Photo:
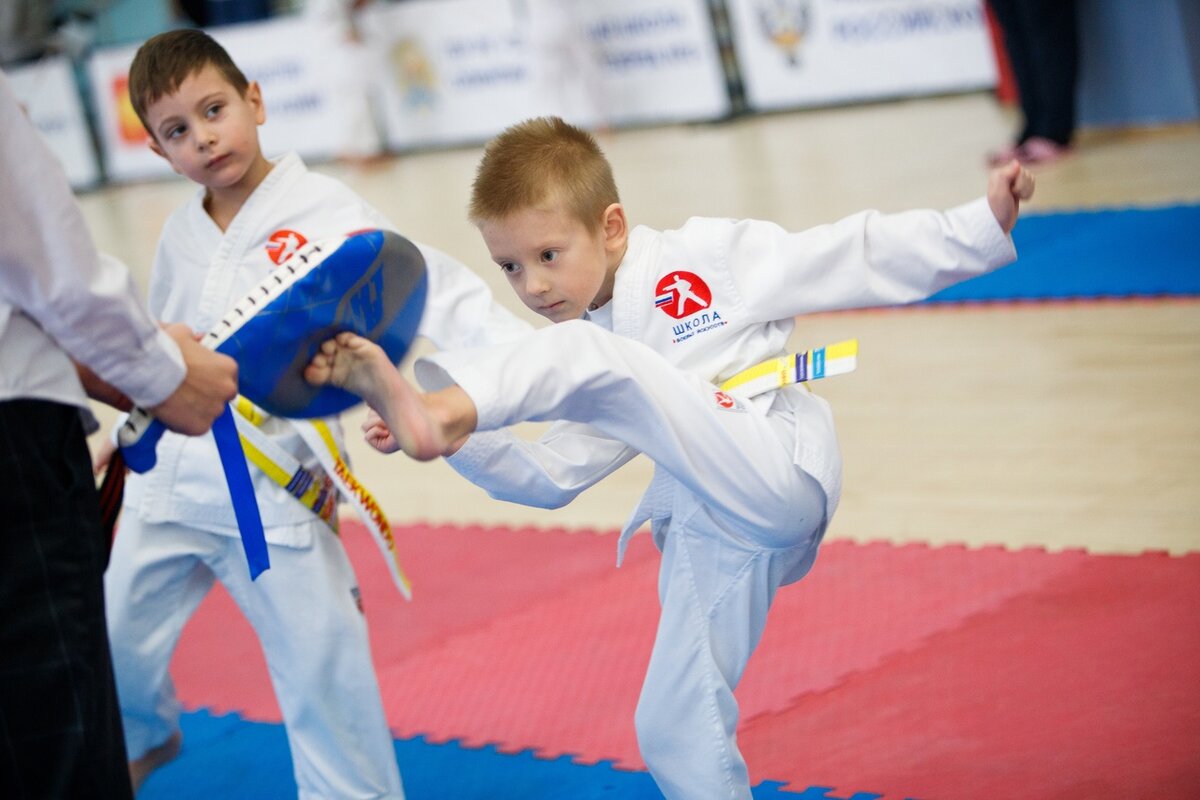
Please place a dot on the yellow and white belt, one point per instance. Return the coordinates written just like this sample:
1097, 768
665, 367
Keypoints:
315, 491
318, 492
775, 373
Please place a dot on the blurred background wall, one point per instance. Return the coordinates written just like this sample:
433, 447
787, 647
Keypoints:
361, 78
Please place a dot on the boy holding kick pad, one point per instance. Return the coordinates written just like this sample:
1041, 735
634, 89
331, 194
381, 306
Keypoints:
178, 531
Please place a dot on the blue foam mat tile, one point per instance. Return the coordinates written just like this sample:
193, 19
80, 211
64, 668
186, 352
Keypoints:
823, 793
228, 757
451, 770
225, 756
1092, 254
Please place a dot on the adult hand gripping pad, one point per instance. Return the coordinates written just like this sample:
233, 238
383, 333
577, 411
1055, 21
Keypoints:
373, 283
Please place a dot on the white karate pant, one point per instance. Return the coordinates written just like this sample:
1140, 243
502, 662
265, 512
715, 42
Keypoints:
305, 614
744, 520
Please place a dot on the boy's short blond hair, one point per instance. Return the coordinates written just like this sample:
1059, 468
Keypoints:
540, 161
165, 61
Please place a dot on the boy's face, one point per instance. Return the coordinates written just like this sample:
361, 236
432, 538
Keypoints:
208, 130
558, 266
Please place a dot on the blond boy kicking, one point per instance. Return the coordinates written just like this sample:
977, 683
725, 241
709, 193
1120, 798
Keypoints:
651, 323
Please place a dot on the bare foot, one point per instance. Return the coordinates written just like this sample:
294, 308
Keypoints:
155, 757
361, 367
349, 362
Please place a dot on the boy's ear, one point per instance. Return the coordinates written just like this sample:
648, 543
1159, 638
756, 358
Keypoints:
155, 148
158, 151
254, 98
615, 226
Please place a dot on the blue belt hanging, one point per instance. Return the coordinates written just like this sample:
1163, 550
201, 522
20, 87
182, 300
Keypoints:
241, 492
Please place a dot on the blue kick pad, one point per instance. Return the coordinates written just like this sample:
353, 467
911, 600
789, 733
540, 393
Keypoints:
1090, 254
230, 758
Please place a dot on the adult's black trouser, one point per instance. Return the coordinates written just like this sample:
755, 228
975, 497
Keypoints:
60, 724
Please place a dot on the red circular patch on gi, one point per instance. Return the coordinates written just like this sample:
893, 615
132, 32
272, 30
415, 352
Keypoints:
724, 400
283, 243
681, 294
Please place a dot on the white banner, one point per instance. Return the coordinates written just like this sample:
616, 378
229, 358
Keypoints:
123, 141
47, 91
312, 101
812, 52
456, 71
451, 71
658, 60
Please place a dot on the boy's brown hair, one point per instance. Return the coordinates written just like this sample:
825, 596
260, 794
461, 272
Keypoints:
543, 160
165, 61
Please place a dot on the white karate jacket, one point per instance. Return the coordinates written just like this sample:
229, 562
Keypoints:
198, 275
717, 296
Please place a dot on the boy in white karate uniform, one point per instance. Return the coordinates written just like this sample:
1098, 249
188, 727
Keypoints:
744, 488
178, 530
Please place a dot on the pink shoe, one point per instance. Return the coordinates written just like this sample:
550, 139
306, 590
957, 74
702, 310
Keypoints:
1040, 150
998, 158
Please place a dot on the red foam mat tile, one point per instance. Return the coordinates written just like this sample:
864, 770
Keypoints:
530, 639
463, 576
1086, 687
562, 678
862, 603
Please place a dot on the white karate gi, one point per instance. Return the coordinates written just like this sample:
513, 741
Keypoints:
743, 489
178, 530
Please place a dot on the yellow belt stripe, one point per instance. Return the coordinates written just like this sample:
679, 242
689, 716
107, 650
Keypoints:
779, 364
260, 460
275, 472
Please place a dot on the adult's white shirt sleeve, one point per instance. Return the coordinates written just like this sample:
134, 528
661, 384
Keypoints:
53, 273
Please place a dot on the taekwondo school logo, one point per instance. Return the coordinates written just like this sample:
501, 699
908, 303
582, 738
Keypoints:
283, 244
681, 294
727, 402
686, 297
785, 23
